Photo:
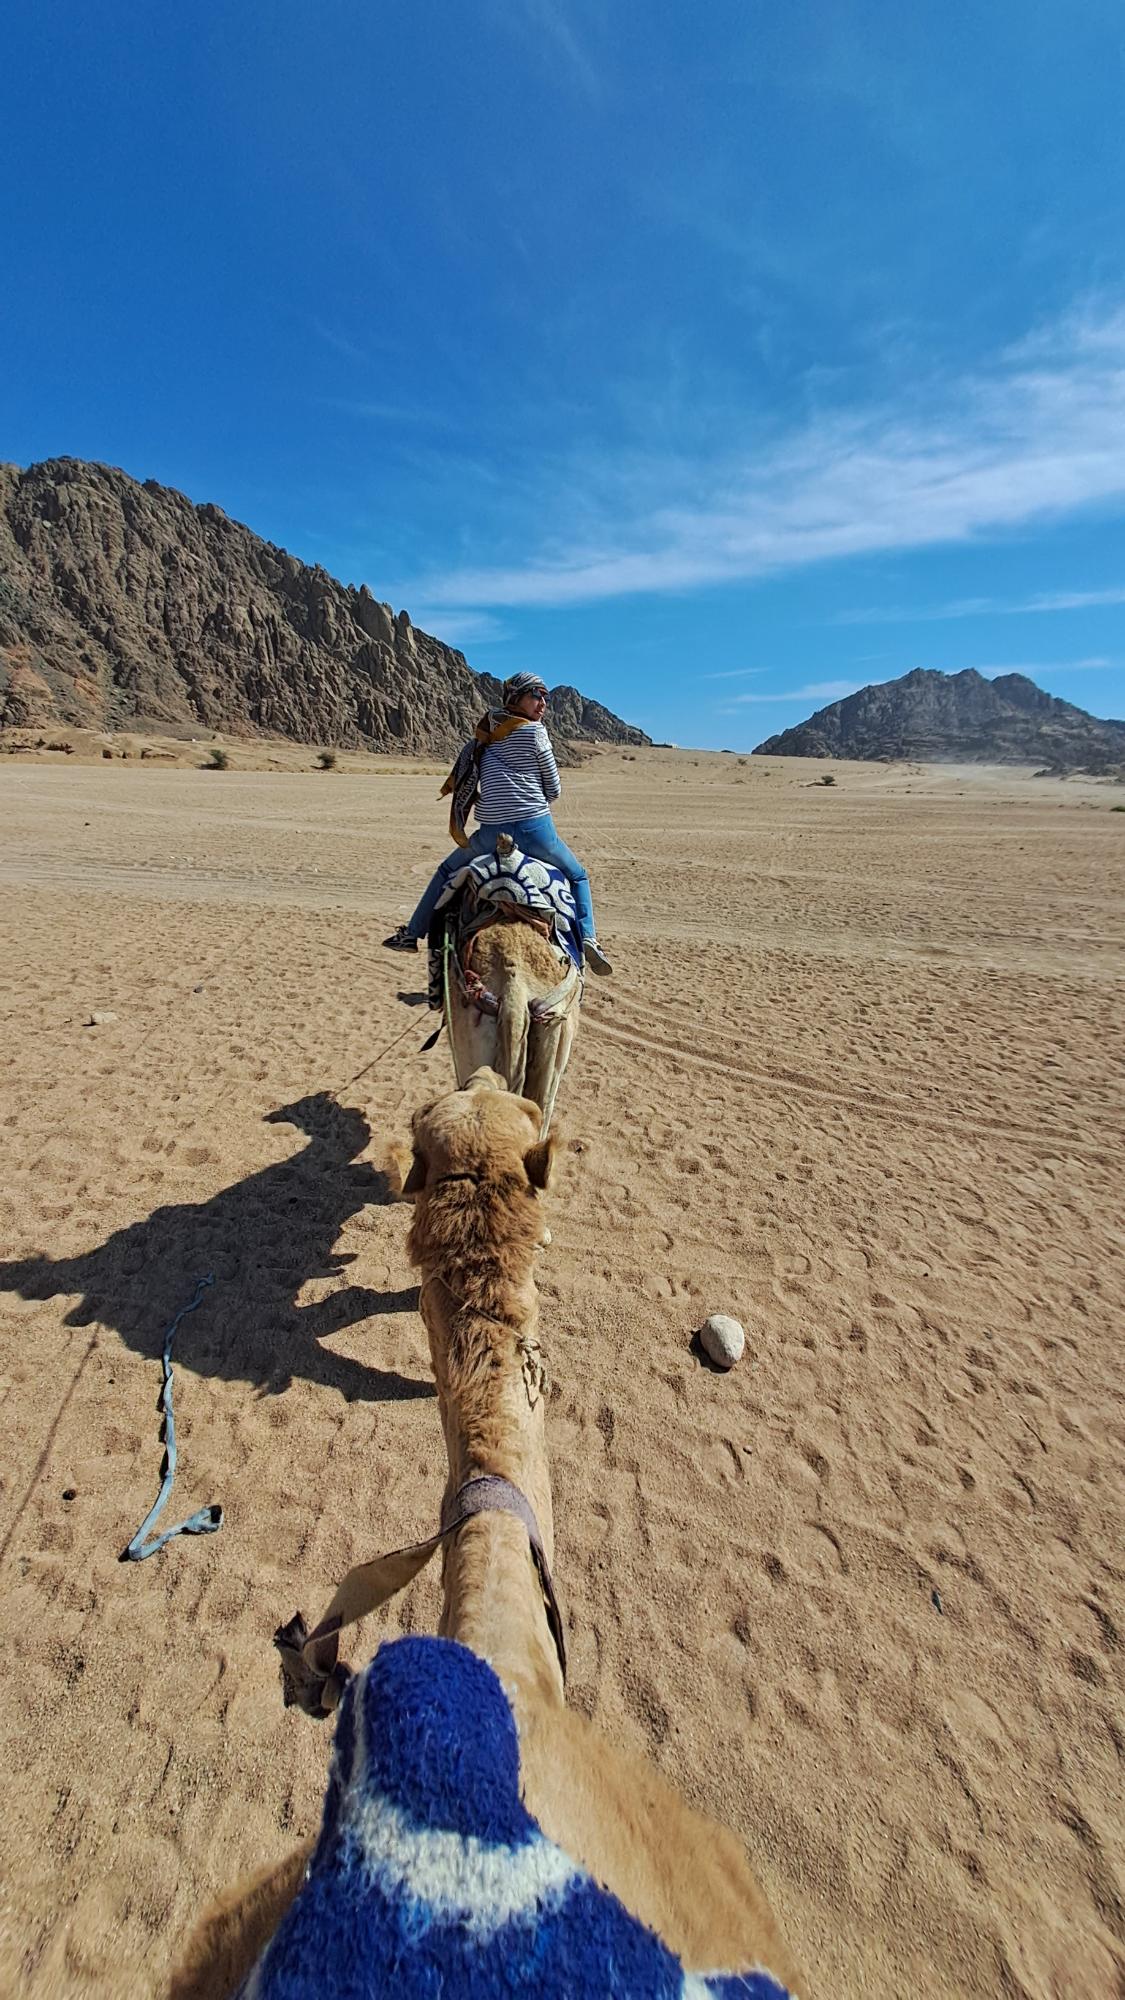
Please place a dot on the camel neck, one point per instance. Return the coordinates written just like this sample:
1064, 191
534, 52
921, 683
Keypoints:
491, 1392
493, 1603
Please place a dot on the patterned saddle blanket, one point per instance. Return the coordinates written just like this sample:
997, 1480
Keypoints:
431, 1881
485, 884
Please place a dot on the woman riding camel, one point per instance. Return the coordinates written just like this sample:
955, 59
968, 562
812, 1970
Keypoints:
509, 773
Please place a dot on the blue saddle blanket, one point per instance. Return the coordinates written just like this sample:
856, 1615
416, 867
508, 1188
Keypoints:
431, 1881
517, 878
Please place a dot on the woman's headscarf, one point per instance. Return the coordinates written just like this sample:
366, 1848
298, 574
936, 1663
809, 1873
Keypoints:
522, 683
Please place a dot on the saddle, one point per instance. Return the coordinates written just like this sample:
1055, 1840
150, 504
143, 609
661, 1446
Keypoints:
431, 1877
505, 887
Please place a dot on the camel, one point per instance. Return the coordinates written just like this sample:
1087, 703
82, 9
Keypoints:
480, 1163
529, 1040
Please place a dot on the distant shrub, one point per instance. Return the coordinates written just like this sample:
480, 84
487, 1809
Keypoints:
1117, 809
828, 778
217, 761
109, 754
327, 760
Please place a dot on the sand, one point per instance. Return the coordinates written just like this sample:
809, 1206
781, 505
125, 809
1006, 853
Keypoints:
858, 1081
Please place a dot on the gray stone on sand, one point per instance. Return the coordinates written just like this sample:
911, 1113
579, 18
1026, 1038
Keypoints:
723, 1339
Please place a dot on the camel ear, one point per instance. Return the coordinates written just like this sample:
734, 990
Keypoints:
405, 1171
538, 1161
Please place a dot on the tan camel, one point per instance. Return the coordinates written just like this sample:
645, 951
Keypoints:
527, 1042
479, 1164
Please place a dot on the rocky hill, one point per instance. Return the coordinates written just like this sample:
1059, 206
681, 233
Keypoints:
125, 606
961, 718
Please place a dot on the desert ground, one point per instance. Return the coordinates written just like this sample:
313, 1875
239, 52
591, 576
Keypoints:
858, 1080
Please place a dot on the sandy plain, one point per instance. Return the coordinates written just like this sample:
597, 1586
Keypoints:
858, 1080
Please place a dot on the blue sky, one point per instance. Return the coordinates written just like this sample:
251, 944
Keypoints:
716, 359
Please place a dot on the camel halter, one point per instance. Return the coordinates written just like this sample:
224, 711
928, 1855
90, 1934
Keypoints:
312, 1675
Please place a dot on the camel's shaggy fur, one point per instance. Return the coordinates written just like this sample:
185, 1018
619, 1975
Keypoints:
479, 1164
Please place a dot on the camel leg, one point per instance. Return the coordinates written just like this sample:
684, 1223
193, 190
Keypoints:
684, 1875
231, 1934
548, 1055
472, 1038
513, 1025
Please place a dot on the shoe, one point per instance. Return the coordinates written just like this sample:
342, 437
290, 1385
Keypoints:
400, 940
596, 958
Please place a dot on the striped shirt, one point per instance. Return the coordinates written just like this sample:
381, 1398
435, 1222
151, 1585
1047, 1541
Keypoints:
518, 777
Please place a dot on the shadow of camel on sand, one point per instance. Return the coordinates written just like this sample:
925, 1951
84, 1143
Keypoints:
263, 1238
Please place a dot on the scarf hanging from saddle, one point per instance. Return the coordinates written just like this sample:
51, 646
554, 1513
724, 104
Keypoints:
463, 781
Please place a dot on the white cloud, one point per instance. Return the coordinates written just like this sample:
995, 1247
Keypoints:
979, 607
338, 341
1038, 433
459, 627
822, 691
370, 409
549, 28
733, 674
1073, 600
1096, 663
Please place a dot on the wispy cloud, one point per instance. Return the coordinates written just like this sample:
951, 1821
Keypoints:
548, 25
821, 691
1076, 600
458, 627
733, 674
1038, 433
370, 409
1095, 664
982, 607
339, 342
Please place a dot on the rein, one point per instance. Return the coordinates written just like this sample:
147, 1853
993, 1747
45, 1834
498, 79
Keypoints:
313, 1677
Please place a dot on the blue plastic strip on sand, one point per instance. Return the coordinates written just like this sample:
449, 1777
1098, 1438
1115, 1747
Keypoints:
208, 1519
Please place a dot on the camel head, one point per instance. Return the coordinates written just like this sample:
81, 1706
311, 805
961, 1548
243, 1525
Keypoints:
479, 1134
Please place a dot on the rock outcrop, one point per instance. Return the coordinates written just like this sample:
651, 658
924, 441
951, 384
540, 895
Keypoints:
960, 718
125, 606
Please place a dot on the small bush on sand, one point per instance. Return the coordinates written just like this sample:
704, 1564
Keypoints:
828, 778
217, 761
327, 760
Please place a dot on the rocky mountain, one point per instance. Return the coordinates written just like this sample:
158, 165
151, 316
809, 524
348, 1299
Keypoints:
125, 606
961, 718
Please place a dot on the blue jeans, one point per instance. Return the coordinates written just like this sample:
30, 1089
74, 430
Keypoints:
534, 837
